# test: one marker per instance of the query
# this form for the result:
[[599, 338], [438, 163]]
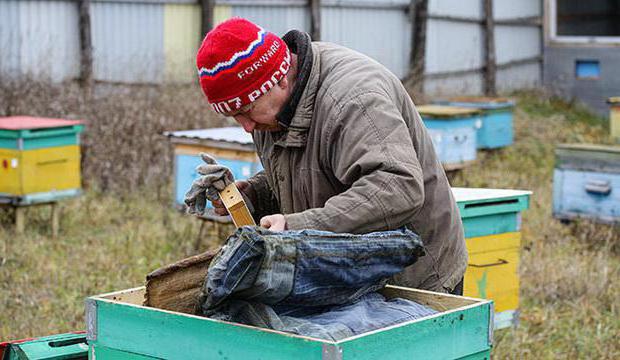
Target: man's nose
[[247, 124]]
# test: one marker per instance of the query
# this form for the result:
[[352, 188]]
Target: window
[[585, 21]]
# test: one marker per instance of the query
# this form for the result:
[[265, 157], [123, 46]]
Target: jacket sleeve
[[266, 202], [370, 152]]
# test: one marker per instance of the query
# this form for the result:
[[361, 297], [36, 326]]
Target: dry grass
[[570, 275]]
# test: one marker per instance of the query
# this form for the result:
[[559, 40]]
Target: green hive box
[[54, 347], [119, 327]]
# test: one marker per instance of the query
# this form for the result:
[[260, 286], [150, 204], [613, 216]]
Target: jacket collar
[[296, 115]]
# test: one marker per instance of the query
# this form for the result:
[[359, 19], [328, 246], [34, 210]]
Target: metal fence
[[154, 41]]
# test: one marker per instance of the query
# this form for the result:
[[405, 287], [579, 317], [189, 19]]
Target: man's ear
[[283, 84]]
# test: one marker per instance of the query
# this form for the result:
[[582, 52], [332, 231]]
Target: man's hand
[[248, 195], [276, 222], [213, 179]]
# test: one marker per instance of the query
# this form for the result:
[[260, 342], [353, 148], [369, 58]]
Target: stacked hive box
[[120, 327], [54, 347], [496, 129], [492, 222], [231, 146], [586, 182], [39, 159], [614, 117], [453, 132]]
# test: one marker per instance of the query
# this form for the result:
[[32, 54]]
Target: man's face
[[261, 114]]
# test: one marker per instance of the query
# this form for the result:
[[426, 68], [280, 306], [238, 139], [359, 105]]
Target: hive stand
[[19, 215]]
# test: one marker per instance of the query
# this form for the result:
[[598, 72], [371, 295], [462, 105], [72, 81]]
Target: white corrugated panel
[[453, 46], [458, 8], [510, 9], [277, 19], [387, 40], [517, 42], [519, 77], [128, 42], [470, 84], [234, 134], [40, 39]]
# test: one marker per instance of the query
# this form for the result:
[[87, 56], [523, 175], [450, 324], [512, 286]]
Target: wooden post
[[55, 219], [86, 45], [490, 68], [417, 66], [207, 16], [20, 214], [315, 20]]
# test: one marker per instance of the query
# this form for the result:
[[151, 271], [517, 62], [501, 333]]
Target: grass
[[570, 275]]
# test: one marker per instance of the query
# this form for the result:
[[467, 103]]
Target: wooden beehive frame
[[236, 206]]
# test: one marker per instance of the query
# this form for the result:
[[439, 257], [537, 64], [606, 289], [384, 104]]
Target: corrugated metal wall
[[155, 41], [39, 39], [455, 46], [128, 42]]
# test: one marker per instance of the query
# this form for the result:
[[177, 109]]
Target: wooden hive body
[[586, 182], [453, 132], [39, 159], [231, 147], [496, 129], [492, 222]]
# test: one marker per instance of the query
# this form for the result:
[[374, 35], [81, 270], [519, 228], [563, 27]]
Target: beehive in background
[[586, 182], [496, 128], [55, 347], [492, 222], [231, 146], [614, 117], [453, 131], [39, 159]]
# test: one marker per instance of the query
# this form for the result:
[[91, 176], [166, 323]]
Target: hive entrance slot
[[492, 203]]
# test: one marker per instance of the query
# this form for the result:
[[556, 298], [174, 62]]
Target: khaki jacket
[[357, 158]]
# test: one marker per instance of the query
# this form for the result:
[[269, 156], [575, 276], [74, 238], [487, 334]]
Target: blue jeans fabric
[[267, 278]]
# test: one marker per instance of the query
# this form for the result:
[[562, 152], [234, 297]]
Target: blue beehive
[[453, 131], [231, 146], [586, 182], [496, 129]]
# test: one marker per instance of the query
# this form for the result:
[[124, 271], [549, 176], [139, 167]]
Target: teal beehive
[[453, 132], [496, 127], [120, 327]]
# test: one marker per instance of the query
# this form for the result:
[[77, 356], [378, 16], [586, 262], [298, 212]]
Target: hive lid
[[612, 149], [614, 100], [479, 194], [233, 134], [446, 111], [482, 102], [30, 122], [588, 157]]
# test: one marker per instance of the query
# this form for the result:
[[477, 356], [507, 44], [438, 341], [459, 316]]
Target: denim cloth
[[292, 280], [306, 268], [371, 312]]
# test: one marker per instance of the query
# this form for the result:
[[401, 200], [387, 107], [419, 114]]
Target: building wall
[[560, 74]]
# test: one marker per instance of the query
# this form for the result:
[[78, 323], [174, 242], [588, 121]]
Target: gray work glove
[[213, 179]]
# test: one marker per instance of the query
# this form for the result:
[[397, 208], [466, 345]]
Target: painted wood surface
[[116, 327], [490, 211], [586, 194], [614, 121], [454, 144], [60, 346], [450, 112], [492, 271], [185, 172], [588, 157], [39, 171]]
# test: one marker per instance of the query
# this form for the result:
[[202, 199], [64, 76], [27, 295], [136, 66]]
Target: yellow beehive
[[39, 158], [614, 117]]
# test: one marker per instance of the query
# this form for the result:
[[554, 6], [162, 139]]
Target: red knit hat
[[238, 62]]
